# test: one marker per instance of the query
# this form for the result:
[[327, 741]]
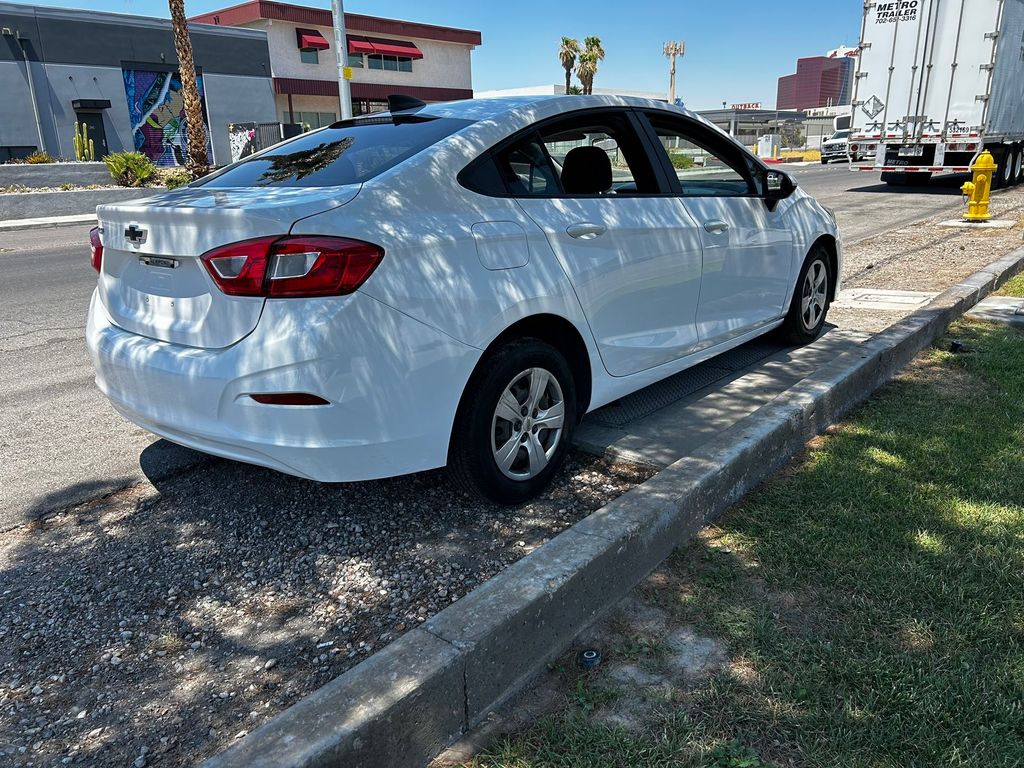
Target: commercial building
[[748, 125], [819, 81], [118, 74], [559, 90], [432, 63]]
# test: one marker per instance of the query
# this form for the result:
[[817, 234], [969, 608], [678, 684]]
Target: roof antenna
[[400, 103]]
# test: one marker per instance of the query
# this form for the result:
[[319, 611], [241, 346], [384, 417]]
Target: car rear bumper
[[393, 385]]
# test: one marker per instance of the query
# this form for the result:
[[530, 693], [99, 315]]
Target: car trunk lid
[[152, 281]]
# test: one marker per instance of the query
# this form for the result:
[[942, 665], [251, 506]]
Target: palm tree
[[586, 68], [592, 46], [567, 54], [195, 129]]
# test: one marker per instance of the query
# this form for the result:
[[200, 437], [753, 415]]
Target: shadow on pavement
[[941, 185]]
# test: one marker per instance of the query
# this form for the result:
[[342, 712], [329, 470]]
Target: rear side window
[[350, 152]]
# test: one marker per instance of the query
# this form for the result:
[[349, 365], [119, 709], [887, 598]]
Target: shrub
[[681, 161], [130, 169], [40, 156], [174, 178]]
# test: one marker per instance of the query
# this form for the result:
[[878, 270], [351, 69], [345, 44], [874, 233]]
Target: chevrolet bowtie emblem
[[135, 235]]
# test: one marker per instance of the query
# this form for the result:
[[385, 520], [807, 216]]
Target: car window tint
[[612, 134], [348, 152], [535, 165], [527, 170], [703, 164]]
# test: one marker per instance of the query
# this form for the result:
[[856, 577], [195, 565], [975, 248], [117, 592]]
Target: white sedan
[[454, 284]]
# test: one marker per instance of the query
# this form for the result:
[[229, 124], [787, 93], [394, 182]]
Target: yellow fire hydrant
[[977, 190]]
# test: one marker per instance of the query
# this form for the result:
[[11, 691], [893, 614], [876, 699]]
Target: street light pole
[[671, 51], [341, 48]]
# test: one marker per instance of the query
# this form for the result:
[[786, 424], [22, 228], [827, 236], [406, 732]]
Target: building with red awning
[[387, 56]]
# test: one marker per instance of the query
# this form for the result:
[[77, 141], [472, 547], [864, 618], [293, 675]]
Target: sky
[[735, 49]]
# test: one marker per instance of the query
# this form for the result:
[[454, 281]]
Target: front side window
[[578, 157], [348, 152], [705, 164]]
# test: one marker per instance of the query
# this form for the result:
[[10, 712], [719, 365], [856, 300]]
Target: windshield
[[840, 135], [348, 152]]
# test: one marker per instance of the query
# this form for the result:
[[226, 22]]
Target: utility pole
[[671, 51], [341, 48]]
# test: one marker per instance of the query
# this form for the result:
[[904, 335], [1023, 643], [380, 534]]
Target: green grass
[[874, 592], [1013, 287]]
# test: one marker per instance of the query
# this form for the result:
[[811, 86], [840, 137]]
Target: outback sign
[[905, 10]]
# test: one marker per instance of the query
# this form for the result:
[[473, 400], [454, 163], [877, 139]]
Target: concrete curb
[[404, 704], [23, 205], [17, 225]]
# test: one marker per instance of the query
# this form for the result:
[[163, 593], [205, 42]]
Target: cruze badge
[[158, 261], [135, 235]]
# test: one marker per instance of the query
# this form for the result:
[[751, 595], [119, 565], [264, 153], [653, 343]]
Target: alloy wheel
[[527, 424], [814, 295]]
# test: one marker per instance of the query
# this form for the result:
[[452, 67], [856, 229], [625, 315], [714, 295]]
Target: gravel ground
[[155, 628], [924, 257]]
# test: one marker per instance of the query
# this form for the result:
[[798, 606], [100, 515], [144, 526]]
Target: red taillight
[[96, 247], [292, 267], [854, 147], [289, 398]]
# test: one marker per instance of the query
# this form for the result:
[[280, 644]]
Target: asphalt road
[[61, 443], [865, 206]]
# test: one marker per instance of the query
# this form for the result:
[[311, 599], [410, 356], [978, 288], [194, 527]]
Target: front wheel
[[807, 310], [515, 424]]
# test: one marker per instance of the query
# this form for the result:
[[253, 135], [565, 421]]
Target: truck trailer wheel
[[1003, 155]]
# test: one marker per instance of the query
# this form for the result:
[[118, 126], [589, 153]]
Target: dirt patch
[[947, 380], [927, 257]]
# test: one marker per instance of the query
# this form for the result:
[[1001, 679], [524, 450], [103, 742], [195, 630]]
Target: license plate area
[[915, 151]]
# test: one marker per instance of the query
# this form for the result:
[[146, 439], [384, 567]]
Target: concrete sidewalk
[[666, 421]]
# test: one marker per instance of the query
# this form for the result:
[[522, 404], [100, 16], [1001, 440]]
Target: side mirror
[[777, 185], [608, 145]]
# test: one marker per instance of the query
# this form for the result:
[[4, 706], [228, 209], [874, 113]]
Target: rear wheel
[[515, 424], [1018, 164], [810, 302], [1003, 176]]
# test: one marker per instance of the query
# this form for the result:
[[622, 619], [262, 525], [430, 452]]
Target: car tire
[[824, 161], [803, 323], [476, 461]]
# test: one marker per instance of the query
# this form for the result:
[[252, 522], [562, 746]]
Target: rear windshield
[[345, 153]]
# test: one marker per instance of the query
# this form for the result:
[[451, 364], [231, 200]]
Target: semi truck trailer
[[936, 83]]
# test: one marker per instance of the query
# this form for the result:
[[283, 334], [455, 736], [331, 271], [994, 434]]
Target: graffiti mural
[[157, 112], [242, 138]]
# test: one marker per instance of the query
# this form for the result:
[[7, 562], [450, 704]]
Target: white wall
[[444, 65]]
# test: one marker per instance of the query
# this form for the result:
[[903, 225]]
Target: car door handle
[[585, 231], [715, 226]]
